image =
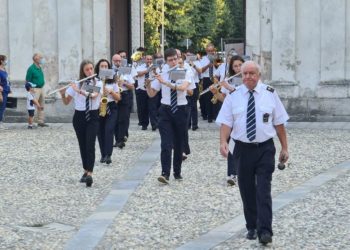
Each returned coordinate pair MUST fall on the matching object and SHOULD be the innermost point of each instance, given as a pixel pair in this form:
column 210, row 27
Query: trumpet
column 218, row 84
column 65, row 87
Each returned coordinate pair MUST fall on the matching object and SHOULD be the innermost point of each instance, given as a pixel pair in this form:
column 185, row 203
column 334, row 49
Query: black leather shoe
column 108, row 159
column 154, row 128
column 83, row 178
column 210, row 120
column 89, row 181
column 194, row 128
column 251, row 235
column 265, row 238
column 144, row 128
column 103, row 159
column 121, row 145
column 178, row 177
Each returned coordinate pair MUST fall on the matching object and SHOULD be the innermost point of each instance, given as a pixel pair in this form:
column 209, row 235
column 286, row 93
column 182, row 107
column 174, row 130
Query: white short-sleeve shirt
column 114, row 87
column 269, row 112
column 166, row 92
column 204, row 62
column 30, row 104
column 80, row 100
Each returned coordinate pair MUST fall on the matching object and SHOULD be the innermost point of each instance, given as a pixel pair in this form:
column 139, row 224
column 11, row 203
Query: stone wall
column 303, row 47
column 65, row 32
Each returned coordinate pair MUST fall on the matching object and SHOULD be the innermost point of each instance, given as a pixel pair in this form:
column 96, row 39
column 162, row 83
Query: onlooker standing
column 35, row 75
column 31, row 103
column 5, row 88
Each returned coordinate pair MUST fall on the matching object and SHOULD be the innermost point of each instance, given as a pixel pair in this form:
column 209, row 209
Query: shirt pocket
column 266, row 114
column 238, row 113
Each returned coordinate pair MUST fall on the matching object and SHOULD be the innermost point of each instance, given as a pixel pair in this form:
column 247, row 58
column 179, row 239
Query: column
column 253, row 29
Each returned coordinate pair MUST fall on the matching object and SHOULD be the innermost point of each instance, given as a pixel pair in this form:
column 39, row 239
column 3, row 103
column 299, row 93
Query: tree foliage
column 201, row 21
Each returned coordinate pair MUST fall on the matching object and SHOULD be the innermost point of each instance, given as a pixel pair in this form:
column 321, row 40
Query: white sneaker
column 2, row 126
column 232, row 180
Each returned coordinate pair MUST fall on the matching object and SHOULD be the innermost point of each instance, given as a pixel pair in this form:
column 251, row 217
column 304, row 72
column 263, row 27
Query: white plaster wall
column 69, row 38
column 347, row 42
column 20, row 20
column 283, row 37
column 308, row 45
column 101, row 29
column 4, row 44
column 333, row 40
column 87, row 29
column 45, row 37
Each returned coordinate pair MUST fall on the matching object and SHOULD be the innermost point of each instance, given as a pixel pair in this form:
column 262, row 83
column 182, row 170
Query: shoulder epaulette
column 234, row 89
column 269, row 88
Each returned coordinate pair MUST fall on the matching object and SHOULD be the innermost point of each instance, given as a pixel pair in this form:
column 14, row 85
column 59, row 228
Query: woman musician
column 86, row 118
column 109, row 118
column 234, row 67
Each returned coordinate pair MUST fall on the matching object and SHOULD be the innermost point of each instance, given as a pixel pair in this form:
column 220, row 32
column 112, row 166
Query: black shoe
column 139, row 124
column 210, row 120
column 184, row 157
column 121, row 145
column 83, row 178
column 125, row 139
column 163, row 179
column 89, row 181
column 194, row 128
column 251, row 235
column 144, row 128
column 103, row 159
column 154, row 128
column 108, row 159
column 178, row 177
column 265, row 238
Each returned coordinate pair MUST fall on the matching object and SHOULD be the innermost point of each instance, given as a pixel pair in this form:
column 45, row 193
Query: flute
column 218, row 84
column 82, row 80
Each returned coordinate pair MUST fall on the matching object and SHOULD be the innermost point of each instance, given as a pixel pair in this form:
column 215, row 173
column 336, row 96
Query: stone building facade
column 304, row 48
column 65, row 32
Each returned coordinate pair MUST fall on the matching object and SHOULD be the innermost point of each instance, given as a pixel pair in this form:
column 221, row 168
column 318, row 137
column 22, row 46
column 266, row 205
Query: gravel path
column 39, row 183
column 165, row 217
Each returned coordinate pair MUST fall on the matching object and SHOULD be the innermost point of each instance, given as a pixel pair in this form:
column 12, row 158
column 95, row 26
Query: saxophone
column 104, row 101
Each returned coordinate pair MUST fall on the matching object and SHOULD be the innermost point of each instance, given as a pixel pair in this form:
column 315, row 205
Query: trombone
column 68, row 85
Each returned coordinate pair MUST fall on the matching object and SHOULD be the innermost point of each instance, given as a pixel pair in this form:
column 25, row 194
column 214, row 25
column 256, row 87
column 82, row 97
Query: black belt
column 168, row 106
column 253, row 144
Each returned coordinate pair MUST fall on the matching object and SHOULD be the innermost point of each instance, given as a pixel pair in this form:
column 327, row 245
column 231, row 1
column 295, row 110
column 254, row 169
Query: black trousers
column 192, row 100
column 144, row 110
column 123, row 117
column 86, row 133
column 256, row 163
column 138, row 103
column 187, row 149
column 172, row 131
column 106, row 131
column 153, row 110
column 209, row 106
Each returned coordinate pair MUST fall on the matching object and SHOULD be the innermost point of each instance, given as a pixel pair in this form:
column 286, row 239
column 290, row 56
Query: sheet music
column 177, row 75
column 106, row 74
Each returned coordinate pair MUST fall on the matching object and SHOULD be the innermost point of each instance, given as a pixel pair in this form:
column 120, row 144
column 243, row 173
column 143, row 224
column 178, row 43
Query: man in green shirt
column 35, row 75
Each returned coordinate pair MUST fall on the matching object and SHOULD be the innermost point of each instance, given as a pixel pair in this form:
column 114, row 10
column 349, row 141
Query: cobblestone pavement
column 43, row 204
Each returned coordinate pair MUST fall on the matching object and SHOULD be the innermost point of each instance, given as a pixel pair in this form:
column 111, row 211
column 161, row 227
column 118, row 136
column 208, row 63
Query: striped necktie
column 173, row 100
column 211, row 72
column 87, row 105
column 251, row 126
